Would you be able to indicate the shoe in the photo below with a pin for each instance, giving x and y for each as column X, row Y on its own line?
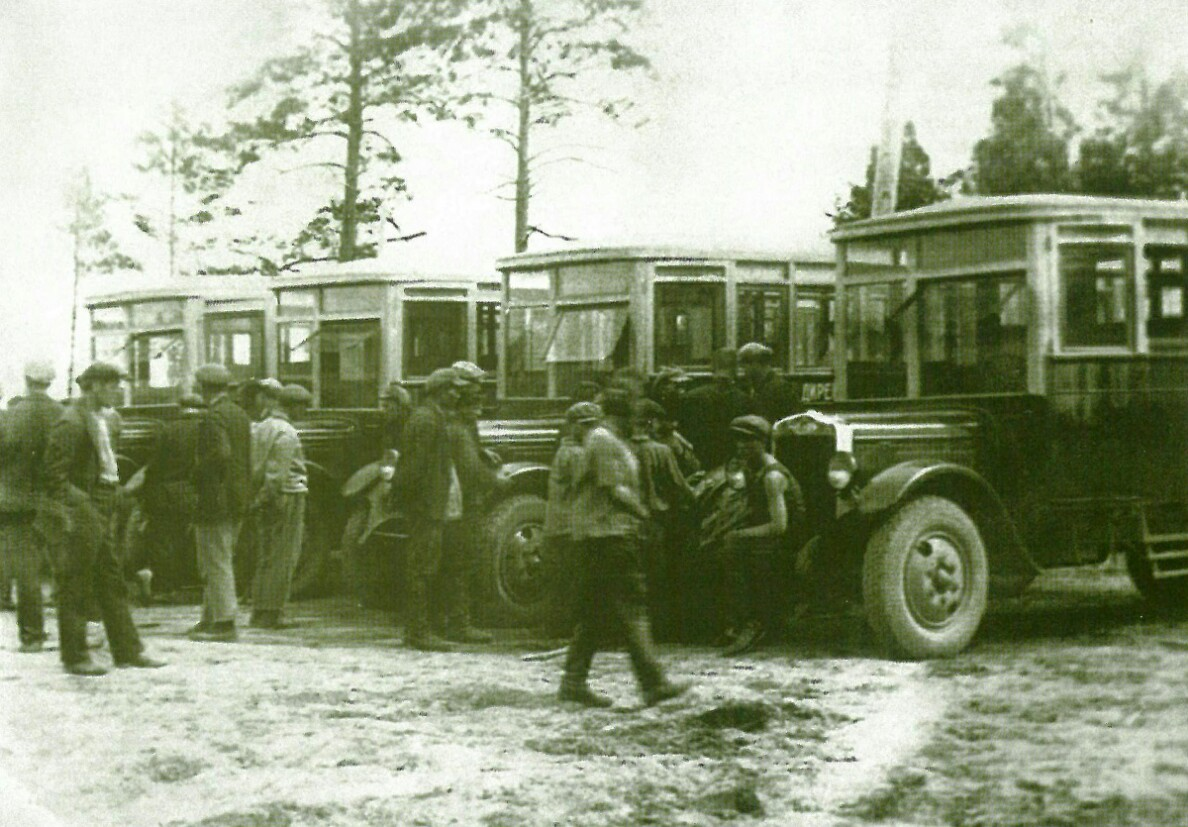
column 468, row 634
column 726, row 638
column 428, row 643
column 32, row 647
column 86, row 668
column 265, row 619
column 216, row 633
column 198, row 628
column 745, row 642
column 140, row 662
column 585, row 696
column 665, row 691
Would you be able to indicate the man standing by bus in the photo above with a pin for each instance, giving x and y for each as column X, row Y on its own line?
column 83, row 485
column 768, row 394
column 222, row 476
column 607, row 520
column 278, row 505
column 22, row 487
column 427, row 489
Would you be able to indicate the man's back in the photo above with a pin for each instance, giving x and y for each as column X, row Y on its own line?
column 23, row 440
column 224, row 461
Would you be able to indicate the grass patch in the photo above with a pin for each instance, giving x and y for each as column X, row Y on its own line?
column 276, row 814
column 169, row 769
column 468, row 698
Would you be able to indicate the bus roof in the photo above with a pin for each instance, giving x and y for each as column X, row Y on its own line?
column 650, row 252
column 194, row 287
column 357, row 272
column 967, row 210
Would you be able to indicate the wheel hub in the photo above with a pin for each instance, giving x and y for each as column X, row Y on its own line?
column 522, row 572
column 935, row 580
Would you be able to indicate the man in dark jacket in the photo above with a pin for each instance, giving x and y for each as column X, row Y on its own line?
column 222, row 474
column 706, row 411
column 769, row 395
column 76, row 518
column 169, row 497
column 22, row 487
column 429, row 492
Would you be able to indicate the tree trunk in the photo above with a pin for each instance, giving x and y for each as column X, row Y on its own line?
column 74, row 304
column 354, row 124
column 523, row 182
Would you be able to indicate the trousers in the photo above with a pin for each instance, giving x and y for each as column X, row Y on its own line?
column 611, row 605
column 455, row 575
column 281, row 532
column 422, row 561
column 87, row 567
column 216, row 548
column 21, row 551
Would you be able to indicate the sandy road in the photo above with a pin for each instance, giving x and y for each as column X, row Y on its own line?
column 1066, row 711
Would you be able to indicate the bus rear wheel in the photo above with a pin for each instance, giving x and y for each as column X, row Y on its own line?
column 925, row 579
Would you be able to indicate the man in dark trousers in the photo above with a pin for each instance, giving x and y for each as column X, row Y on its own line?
column 769, row 395
column 169, row 497
column 607, row 519
column 478, row 474
column 221, row 474
column 429, row 492
column 22, row 487
column 706, row 410
column 76, row 518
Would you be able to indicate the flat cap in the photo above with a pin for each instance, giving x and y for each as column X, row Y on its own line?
column 213, row 375
column 469, row 372
column 615, row 402
column 295, row 395
column 40, row 370
column 650, row 409
column 192, row 401
column 99, row 372
column 583, row 412
column 270, row 387
column 751, row 426
column 440, row 380
column 754, row 352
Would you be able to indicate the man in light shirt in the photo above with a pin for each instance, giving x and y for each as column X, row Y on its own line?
column 76, row 518
column 280, row 483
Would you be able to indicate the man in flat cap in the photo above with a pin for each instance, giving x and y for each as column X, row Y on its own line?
column 222, row 475
column 477, row 473
column 608, row 517
column 428, row 490
column 82, row 487
column 760, row 551
column 169, row 497
column 279, row 483
column 769, row 395
column 706, row 410
column 22, row 487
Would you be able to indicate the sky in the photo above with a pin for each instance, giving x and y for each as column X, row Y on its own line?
column 758, row 115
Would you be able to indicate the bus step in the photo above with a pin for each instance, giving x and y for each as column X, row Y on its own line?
column 1177, row 554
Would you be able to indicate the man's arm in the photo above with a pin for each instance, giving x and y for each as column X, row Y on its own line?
column 605, row 465
column 59, row 452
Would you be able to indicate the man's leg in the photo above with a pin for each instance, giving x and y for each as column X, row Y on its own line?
column 279, row 550
column 216, row 548
column 25, row 547
column 422, row 562
column 589, row 630
column 627, row 603
column 457, row 573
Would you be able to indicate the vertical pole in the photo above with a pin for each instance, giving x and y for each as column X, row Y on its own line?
column 886, row 182
column 523, row 183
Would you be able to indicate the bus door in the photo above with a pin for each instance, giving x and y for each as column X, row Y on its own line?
column 236, row 341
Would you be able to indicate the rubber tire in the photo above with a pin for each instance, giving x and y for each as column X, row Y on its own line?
column 496, row 604
column 1165, row 595
column 884, row 601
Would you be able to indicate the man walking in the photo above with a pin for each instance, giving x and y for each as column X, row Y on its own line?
column 82, row 487
column 281, row 483
column 22, row 487
column 221, row 471
column 428, row 490
column 607, row 520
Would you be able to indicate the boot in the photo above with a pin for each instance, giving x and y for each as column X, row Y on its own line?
column 85, row 668
column 459, row 633
column 222, row 632
column 664, row 691
column 581, row 693
column 417, row 634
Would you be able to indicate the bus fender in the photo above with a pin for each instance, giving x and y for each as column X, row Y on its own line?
column 526, row 478
column 965, row 487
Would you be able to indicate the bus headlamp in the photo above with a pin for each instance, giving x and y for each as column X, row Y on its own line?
column 841, row 470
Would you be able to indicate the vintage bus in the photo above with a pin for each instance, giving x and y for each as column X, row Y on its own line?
column 1012, row 377
column 576, row 315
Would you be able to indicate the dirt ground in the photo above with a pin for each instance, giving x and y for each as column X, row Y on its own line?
column 1068, row 710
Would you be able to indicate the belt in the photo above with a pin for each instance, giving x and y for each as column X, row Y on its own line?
column 107, row 485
